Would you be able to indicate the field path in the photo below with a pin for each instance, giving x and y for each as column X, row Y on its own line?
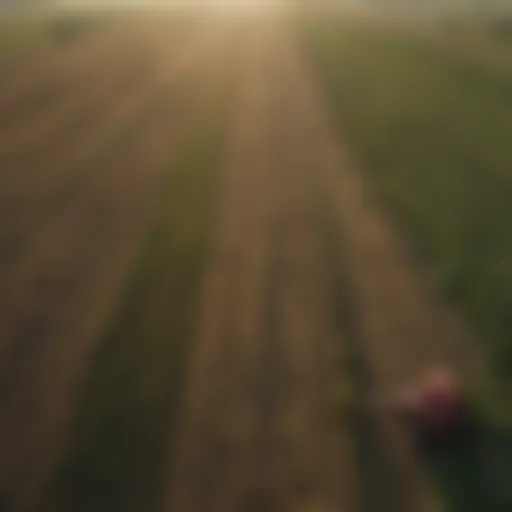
column 298, row 229
column 259, row 429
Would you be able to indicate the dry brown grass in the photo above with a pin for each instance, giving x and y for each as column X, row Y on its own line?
column 75, row 207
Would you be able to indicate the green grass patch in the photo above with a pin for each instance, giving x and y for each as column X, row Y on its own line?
column 434, row 132
column 432, row 129
column 119, row 442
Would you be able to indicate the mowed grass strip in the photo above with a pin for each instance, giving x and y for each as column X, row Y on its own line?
column 119, row 440
column 433, row 133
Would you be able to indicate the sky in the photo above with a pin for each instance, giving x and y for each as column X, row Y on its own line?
column 376, row 3
column 424, row 4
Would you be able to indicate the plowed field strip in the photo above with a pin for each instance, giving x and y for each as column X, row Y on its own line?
column 258, row 430
column 71, row 170
column 136, row 368
column 59, row 295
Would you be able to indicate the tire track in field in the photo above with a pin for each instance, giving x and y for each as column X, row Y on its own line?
column 315, row 453
column 202, row 439
column 258, row 430
column 75, row 288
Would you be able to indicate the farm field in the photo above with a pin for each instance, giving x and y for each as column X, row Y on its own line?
column 431, row 123
column 426, row 115
column 84, row 147
column 226, row 239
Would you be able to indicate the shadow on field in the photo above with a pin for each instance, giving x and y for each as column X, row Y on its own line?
column 381, row 483
column 476, row 476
